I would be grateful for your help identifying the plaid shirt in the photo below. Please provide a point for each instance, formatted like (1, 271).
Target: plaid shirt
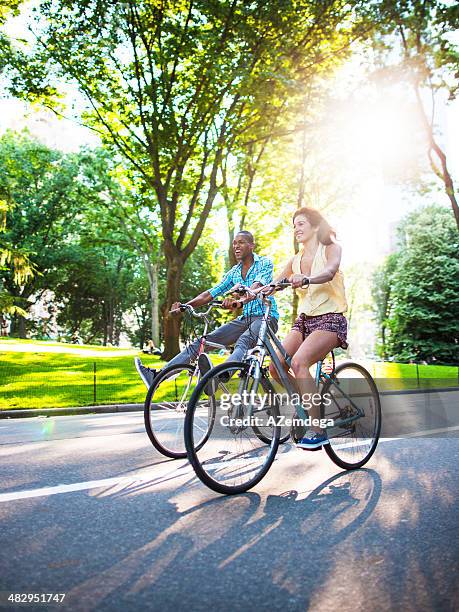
(261, 271)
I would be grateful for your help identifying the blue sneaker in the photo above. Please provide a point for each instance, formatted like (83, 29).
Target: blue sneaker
(313, 440)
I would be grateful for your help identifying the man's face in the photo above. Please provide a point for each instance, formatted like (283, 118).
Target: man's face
(242, 247)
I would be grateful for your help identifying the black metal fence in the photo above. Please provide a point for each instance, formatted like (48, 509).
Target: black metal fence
(86, 383)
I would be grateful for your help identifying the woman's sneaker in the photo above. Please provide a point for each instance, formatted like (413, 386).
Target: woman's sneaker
(146, 374)
(313, 440)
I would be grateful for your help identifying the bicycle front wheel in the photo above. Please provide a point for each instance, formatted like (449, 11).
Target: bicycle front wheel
(165, 408)
(233, 458)
(351, 400)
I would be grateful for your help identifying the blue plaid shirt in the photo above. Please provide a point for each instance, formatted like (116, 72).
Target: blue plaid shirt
(261, 271)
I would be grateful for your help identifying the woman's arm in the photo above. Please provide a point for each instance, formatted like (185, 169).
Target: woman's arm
(286, 272)
(333, 255)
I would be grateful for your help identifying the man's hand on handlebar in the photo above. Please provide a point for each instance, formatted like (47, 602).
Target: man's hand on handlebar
(266, 290)
(175, 308)
(231, 304)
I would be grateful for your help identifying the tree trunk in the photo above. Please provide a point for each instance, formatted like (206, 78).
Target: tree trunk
(295, 298)
(231, 257)
(171, 324)
(22, 333)
(104, 311)
(152, 273)
(111, 321)
(383, 342)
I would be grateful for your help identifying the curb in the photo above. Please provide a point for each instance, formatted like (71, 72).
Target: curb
(419, 391)
(113, 408)
(34, 412)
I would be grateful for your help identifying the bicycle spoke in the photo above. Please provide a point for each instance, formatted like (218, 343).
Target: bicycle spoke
(233, 457)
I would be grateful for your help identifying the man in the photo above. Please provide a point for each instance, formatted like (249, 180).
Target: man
(252, 271)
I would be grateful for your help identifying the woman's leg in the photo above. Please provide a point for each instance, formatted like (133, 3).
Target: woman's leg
(316, 346)
(291, 344)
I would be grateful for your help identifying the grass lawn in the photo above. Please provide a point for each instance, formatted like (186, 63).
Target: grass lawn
(53, 375)
(39, 374)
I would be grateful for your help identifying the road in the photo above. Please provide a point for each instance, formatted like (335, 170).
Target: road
(90, 509)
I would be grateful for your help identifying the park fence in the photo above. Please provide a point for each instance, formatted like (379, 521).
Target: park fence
(115, 382)
(87, 383)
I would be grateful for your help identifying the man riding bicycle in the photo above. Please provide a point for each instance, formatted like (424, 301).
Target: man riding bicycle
(251, 270)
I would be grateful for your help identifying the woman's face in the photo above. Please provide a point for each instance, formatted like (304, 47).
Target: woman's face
(302, 229)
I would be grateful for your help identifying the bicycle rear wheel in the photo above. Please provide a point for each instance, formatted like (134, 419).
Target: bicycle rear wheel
(351, 394)
(233, 458)
(165, 408)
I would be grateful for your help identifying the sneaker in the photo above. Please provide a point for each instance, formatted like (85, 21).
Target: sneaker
(313, 440)
(205, 364)
(146, 374)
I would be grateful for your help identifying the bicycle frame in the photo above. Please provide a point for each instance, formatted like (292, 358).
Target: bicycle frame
(266, 342)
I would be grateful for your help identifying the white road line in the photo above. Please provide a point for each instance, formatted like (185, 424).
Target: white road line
(90, 484)
(147, 476)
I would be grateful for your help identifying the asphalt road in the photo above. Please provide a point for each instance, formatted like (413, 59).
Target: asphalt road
(89, 508)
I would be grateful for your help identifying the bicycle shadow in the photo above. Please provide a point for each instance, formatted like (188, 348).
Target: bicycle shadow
(230, 532)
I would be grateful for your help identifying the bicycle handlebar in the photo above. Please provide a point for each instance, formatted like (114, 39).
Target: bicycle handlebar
(241, 290)
(282, 284)
(192, 311)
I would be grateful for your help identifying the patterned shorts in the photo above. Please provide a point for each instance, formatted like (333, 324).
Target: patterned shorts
(332, 321)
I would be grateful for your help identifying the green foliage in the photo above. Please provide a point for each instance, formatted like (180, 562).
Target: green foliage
(416, 291)
(382, 286)
(45, 195)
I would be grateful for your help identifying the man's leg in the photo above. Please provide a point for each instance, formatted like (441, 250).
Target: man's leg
(249, 338)
(226, 334)
(186, 355)
(149, 374)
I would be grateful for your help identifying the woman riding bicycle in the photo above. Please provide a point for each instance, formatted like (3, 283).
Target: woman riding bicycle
(320, 326)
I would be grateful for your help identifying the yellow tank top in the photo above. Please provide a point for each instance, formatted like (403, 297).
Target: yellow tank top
(321, 299)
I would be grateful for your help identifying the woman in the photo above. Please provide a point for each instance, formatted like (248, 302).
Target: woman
(321, 325)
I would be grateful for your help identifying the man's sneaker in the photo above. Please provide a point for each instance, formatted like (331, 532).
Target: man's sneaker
(205, 364)
(146, 374)
(313, 440)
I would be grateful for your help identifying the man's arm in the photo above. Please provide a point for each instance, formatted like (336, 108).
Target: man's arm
(265, 273)
(201, 299)
(286, 273)
(207, 296)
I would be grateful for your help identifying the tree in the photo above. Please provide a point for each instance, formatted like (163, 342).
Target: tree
(92, 292)
(45, 196)
(428, 61)
(382, 293)
(422, 306)
(173, 84)
(52, 196)
(124, 214)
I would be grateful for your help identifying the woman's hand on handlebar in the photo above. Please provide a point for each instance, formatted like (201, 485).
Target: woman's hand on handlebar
(298, 281)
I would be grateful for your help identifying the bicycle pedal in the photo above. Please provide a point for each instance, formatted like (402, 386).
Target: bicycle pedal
(297, 432)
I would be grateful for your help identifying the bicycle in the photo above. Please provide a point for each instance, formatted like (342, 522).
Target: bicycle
(233, 458)
(167, 399)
